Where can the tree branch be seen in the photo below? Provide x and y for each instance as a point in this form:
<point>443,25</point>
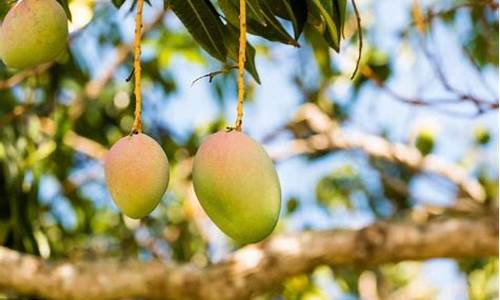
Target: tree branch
<point>251,270</point>
<point>329,137</point>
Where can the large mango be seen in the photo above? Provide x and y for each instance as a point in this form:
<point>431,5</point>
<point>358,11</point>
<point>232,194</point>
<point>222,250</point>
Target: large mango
<point>33,32</point>
<point>237,185</point>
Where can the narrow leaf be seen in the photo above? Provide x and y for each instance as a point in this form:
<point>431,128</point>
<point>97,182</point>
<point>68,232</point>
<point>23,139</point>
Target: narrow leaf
<point>203,24</point>
<point>321,50</point>
<point>118,3</point>
<point>274,31</point>
<point>331,33</point>
<point>293,10</point>
<point>65,5</point>
<point>255,12</point>
<point>5,7</point>
<point>342,6</point>
<point>300,11</point>
<point>231,10</point>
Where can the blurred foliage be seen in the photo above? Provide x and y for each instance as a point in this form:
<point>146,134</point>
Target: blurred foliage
<point>53,202</point>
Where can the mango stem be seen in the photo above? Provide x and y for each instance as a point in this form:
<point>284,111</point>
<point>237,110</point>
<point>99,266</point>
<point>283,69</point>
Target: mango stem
<point>241,65</point>
<point>137,126</point>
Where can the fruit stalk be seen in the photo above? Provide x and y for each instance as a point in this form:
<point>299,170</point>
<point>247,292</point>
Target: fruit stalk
<point>241,64</point>
<point>137,126</point>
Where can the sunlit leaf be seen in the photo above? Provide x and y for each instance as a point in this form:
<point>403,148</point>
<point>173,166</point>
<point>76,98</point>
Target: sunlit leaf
<point>331,34</point>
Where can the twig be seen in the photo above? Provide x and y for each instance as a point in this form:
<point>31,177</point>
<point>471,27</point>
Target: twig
<point>137,126</point>
<point>212,75</point>
<point>241,65</point>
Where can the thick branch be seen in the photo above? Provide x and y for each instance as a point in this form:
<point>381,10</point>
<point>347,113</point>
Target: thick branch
<point>254,269</point>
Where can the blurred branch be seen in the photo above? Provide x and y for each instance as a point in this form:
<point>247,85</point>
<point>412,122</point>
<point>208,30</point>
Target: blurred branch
<point>325,136</point>
<point>431,14</point>
<point>94,88</point>
<point>212,75</point>
<point>482,105</point>
<point>21,76</point>
<point>421,21</point>
<point>76,142</point>
<point>91,90</point>
<point>251,270</point>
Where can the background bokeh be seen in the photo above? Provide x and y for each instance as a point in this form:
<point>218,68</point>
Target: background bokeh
<point>55,124</point>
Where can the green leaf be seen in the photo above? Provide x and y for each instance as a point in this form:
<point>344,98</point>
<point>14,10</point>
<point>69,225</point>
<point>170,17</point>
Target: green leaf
<point>65,5</point>
<point>232,43</point>
<point>292,10</point>
<point>271,30</point>
<point>332,32</point>
<point>255,12</point>
<point>231,10</point>
<point>4,7</point>
<point>299,9</point>
<point>321,50</point>
<point>274,31</point>
<point>342,8</point>
<point>202,22</point>
<point>118,3</point>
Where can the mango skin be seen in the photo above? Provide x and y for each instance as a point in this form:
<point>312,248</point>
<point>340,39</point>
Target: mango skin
<point>33,32</point>
<point>137,174</point>
<point>237,186</point>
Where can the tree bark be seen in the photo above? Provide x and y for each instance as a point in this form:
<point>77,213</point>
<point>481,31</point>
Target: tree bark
<point>253,269</point>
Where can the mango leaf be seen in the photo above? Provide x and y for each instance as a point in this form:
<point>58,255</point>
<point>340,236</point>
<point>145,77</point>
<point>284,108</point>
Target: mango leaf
<point>299,9</point>
<point>255,12</point>
<point>332,31</point>
<point>202,22</point>
<point>292,10</point>
<point>4,8</point>
<point>231,9</point>
<point>274,31</point>
<point>271,29</point>
<point>65,5</point>
<point>342,7</point>
<point>231,39</point>
<point>321,50</point>
<point>118,3</point>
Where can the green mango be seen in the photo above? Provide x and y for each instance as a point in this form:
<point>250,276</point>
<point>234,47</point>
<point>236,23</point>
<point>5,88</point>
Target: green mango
<point>33,32</point>
<point>137,174</point>
<point>237,186</point>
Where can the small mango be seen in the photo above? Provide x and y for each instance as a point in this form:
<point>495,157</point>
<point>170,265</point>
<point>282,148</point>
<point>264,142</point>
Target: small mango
<point>32,33</point>
<point>237,186</point>
<point>137,174</point>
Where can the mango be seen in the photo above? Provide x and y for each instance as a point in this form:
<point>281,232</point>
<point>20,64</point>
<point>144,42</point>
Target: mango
<point>237,186</point>
<point>32,33</point>
<point>137,174</point>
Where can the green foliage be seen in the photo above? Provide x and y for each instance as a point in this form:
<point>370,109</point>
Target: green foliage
<point>5,6</point>
<point>336,189</point>
<point>204,23</point>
